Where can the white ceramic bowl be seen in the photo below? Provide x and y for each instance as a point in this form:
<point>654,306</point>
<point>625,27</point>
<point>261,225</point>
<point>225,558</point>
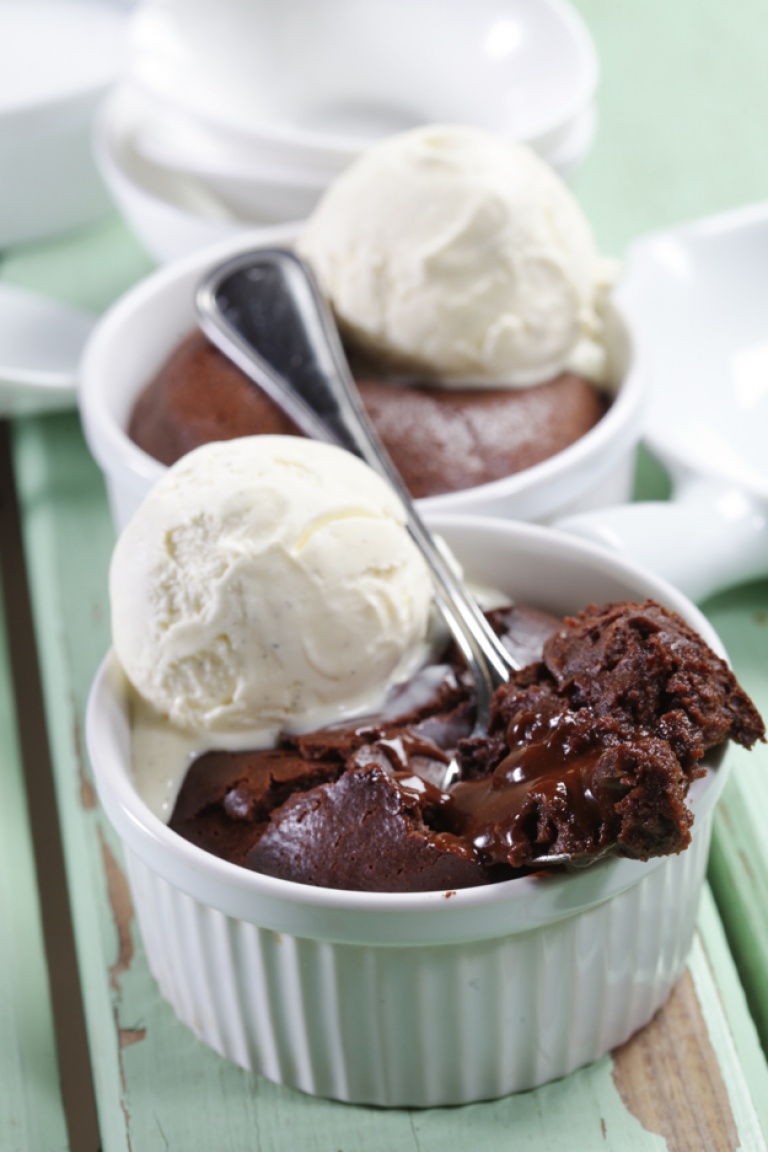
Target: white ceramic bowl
<point>39,375</point>
<point>419,999</point>
<point>240,114</point>
<point>59,58</point>
<point>181,185</point>
<point>695,294</point>
<point>171,216</point>
<point>331,77</point>
<point>136,336</point>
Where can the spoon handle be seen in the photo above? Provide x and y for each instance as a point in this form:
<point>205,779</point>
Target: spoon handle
<point>264,311</point>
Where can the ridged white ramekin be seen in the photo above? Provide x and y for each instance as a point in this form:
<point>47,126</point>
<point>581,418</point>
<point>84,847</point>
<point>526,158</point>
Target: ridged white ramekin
<point>416,999</point>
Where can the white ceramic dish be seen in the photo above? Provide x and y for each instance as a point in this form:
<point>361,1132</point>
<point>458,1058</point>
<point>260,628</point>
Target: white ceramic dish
<point>416,999</point>
<point>182,186</point>
<point>173,140</point>
<point>65,54</point>
<point>240,114</point>
<point>135,337</point>
<point>170,216</point>
<point>332,77</point>
<point>696,298</point>
<point>41,341</point>
<point>250,178</point>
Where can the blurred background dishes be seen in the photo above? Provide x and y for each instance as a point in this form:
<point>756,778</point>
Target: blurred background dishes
<point>331,77</point>
<point>695,295</point>
<point>41,340</point>
<point>171,215</point>
<point>241,113</point>
<point>58,58</point>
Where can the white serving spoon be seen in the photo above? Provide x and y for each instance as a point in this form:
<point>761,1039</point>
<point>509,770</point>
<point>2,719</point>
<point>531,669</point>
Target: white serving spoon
<point>40,345</point>
<point>697,298</point>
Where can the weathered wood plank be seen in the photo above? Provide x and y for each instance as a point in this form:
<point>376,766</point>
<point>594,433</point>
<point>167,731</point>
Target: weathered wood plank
<point>31,1108</point>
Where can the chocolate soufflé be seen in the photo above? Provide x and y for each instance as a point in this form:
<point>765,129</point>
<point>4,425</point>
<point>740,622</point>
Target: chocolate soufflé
<point>440,439</point>
<point>591,750</point>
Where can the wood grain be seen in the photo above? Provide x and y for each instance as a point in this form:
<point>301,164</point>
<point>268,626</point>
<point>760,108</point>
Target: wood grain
<point>54,1104</point>
<point>669,1078</point>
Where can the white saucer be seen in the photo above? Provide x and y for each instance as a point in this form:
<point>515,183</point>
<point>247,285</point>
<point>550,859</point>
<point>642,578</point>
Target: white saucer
<point>41,341</point>
<point>696,296</point>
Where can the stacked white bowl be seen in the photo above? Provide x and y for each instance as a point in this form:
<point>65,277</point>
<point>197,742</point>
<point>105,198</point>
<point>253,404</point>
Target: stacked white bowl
<point>58,58</point>
<point>239,114</point>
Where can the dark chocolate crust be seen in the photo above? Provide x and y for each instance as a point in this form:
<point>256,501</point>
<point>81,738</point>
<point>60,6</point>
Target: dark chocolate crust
<point>441,440</point>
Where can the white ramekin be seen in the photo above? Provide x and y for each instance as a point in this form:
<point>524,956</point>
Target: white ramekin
<point>136,336</point>
<point>427,998</point>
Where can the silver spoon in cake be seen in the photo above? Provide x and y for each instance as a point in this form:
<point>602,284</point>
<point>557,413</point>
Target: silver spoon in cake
<point>265,312</point>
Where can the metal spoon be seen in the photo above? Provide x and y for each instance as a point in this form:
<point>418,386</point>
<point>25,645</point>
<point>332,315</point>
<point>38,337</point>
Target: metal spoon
<point>264,310</point>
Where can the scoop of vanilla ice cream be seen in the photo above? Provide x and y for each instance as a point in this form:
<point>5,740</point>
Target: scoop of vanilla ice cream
<point>267,584</point>
<point>459,255</point>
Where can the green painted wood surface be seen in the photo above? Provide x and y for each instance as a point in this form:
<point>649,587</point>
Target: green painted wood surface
<point>31,1111</point>
<point>682,106</point>
<point>739,861</point>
